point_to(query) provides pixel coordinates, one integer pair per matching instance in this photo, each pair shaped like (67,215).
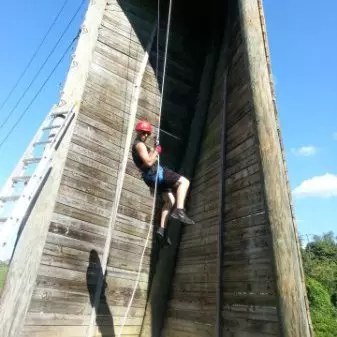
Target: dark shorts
(169,181)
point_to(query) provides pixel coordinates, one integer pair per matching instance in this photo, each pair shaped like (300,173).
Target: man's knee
(169,200)
(184,181)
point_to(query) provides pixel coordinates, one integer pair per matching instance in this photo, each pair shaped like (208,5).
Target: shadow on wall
(104,320)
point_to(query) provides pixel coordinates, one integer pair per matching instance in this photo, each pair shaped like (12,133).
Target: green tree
(323,313)
(320,261)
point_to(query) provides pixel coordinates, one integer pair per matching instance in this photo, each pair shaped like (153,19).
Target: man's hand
(159,149)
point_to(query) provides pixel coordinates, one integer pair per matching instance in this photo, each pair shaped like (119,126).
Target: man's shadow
(104,320)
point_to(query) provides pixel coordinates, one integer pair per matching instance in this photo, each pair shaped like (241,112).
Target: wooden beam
(291,302)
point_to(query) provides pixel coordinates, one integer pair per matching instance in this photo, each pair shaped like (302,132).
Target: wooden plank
(93,164)
(123,245)
(102,124)
(75,331)
(124,31)
(246,233)
(80,214)
(76,233)
(101,204)
(129,18)
(144,11)
(94,171)
(199,317)
(249,299)
(114,92)
(132,226)
(250,273)
(183,328)
(127,274)
(260,313)
(244,160)
(82,184)
(117,42)
(292,306)
(85,226)
(129,262)
(63,241)
(86,147)
(268,286)
(62,251)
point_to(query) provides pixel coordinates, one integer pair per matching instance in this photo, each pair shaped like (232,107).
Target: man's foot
(180,214)
(161,236)
(160,233)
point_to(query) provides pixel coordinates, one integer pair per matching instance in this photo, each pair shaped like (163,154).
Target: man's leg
(183,185)
(169,201)
(179,213)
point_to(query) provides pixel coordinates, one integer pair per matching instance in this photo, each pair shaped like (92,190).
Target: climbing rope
(158,134)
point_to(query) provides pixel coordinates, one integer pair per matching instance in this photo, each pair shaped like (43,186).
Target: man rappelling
(168,182)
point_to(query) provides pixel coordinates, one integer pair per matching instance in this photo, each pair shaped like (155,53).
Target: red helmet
(144,126)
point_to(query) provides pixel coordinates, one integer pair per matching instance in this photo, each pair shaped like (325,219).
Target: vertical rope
(156,181)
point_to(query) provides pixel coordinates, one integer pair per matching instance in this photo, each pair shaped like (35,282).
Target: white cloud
(324,186)
(334,135)
(305,151)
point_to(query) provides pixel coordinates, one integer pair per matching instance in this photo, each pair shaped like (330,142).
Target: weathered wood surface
(195,284)
(257,213)
(292,306)
(248,273)
(63,296)
(62,300)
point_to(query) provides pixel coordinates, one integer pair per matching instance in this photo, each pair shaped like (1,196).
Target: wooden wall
(249,300)
(62,300)
(70,267)
(81,227)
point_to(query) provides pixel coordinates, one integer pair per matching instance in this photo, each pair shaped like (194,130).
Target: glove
(159,149)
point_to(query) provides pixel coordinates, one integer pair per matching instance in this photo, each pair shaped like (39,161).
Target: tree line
(320,267)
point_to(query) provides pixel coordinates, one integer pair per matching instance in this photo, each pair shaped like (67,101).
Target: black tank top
(139,162)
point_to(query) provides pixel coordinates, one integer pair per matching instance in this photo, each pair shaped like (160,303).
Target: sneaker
(160,233)
(161,236)
(180,214)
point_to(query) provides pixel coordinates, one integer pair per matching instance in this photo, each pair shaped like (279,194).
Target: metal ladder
(19,193)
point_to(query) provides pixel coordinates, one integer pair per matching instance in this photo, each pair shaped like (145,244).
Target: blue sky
(301,35)
(22,27)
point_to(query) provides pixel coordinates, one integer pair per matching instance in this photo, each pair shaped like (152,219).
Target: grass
(3,274)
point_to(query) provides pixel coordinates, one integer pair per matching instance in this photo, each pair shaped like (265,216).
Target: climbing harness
(157,176)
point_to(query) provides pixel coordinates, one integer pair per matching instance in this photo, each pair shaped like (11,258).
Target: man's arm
(147,158)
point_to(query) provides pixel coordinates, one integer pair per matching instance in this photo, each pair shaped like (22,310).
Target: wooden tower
(237,272)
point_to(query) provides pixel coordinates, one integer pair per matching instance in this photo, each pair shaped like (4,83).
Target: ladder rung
(51,127)
(43,142)
(3,219)
(59,114)
(32,160)
(9,198)
(21,178)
